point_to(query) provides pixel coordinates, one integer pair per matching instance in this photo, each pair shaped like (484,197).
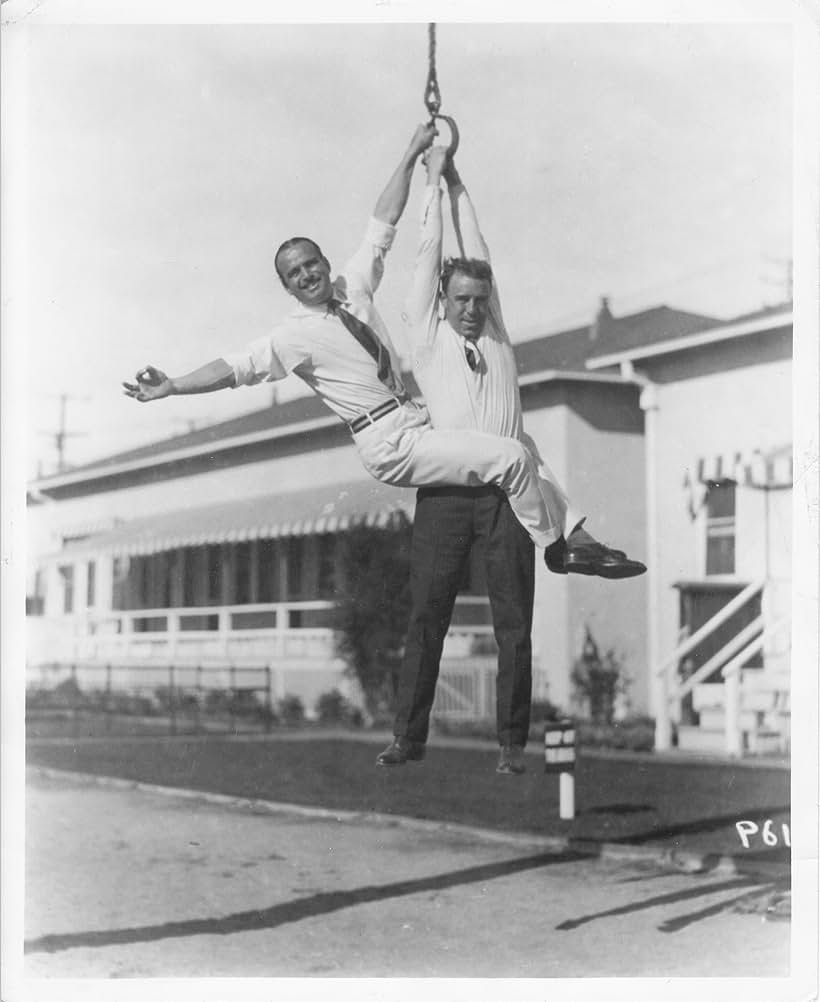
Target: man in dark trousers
(465,367)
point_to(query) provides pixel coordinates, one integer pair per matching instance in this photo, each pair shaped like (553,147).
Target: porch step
(701,739)
(713,718)
(757,694)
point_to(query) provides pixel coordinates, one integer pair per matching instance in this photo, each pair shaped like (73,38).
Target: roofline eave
(178,455)
(688,341)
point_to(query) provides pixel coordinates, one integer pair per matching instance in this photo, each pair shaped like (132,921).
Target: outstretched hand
(151,384)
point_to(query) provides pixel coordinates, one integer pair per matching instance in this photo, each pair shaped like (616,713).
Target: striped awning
(770,468)
(330,508)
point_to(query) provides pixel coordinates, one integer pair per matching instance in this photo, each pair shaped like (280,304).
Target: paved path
(130,884)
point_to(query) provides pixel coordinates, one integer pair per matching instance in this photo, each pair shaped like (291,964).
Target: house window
(720,528)
(326,583)
(67,574)
(269,570)
(242,564)
(142,583)
(119,588)
(190,576)
(296,567)
(164,571)
(213,560)
(35,603)
(91,585)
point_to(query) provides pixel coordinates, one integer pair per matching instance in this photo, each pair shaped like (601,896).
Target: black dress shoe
(401,750)
(554,556)
(511,761)
(595,558)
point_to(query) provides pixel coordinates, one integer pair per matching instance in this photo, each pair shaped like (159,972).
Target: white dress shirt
(317,347)
(458,398)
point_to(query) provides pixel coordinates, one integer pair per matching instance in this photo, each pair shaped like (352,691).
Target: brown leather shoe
(511,761)
(401,750)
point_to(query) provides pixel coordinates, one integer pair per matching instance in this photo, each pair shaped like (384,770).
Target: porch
(276,650)
(726,686)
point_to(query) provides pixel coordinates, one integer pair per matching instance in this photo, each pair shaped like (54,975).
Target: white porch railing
(732,678)
(289,639)
(236,633)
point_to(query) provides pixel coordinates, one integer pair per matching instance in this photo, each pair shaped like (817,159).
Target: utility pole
(62,433)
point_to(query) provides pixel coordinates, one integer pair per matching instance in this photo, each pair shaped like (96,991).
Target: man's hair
(288,245)
(470,266)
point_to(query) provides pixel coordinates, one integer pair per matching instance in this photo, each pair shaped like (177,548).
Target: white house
(218,546)
(718,438)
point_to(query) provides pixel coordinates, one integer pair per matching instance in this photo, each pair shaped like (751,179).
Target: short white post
(731,693)
(566,808)
(559,756)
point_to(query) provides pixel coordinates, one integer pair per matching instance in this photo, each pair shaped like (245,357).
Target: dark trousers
(448,522)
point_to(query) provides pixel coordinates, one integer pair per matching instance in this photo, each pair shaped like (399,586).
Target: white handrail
(711,625)
(716,660)
(739,660)
(733,732)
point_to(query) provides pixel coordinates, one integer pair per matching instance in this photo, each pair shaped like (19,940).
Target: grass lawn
(685,806)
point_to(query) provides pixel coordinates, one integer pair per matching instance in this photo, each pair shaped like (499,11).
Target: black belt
(373,416)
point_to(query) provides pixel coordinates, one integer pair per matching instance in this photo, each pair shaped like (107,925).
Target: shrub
(631,734)
(291,709)
(598,681)
(372,610)
(543,711)
(334,708)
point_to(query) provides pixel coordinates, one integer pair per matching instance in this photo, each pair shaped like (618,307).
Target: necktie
(471,354)
(369,340)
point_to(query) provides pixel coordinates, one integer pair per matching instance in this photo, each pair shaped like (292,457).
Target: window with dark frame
(242,573)
(189,576)
(213,573)
(270,557)
(296,567)
(720,527)
(326,584)
(91,585)
(67,574)
(35,603)
(119,585)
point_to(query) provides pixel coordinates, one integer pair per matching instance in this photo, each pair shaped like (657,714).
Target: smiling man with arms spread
(335,341)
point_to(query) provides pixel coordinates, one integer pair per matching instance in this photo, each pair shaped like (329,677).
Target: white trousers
(403,449)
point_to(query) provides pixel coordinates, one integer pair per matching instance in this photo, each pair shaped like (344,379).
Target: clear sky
(647,162)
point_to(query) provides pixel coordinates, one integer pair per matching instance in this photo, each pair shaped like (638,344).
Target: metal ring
(454,136)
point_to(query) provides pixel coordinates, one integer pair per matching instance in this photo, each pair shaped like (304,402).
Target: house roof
(328,508)
(761,321)
(573,351)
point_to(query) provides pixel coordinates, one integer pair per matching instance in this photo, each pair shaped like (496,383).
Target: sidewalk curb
(681,860)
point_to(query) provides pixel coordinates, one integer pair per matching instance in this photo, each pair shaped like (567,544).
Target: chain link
(432,96)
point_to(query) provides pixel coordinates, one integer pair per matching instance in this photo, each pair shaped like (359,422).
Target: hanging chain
(432,96)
